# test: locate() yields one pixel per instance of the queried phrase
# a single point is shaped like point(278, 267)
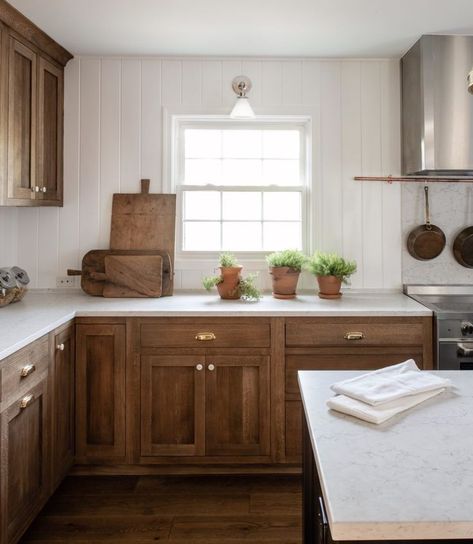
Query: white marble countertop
point(409, 478)
point(42, 311)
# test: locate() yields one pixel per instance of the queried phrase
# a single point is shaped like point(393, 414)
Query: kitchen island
point(409, 479)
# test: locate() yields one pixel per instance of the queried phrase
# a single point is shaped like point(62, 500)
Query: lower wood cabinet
point(24, 460)
point(63, 395)
point(205, 405)
point(100, 392)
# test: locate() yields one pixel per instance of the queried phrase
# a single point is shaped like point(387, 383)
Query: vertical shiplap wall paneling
point(151, 123)
point(89, 159)
point(371, 163)
point(114, 136)
point(390, 162)
point(130, 134)
point(351, 162)
point(110, 117)
point(69, 251)
point(331, 190)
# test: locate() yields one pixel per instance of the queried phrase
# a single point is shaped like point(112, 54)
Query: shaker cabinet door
point(100, 392)
point(237, 405)
point(50, 131)
point(22, 93)
point(172, 405)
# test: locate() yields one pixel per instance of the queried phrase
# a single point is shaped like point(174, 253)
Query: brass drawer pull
point(205, 336)
point(27, 370)
point(354, 336)
point(26, 401)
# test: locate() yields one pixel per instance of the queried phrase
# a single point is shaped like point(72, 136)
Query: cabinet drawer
point(24, 368)
point(351, 333)
point(205, 333)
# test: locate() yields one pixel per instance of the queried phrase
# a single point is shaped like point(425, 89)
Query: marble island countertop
point(410, 478)
point(42, 311)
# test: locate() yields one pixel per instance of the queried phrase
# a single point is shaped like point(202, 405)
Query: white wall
point(114, 137)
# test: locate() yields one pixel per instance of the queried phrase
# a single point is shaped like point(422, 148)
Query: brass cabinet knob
point(354, 335)
point(44, 189)
point(211, 367)
point(27, 370)
point(205, 336)
point(199, 366)
point(26, 401)
point(60, 347)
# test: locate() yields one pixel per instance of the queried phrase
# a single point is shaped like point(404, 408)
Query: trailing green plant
point(292, 258)
point(211, 281)
point(331, 264)
point(228, 260)
point(248, 289)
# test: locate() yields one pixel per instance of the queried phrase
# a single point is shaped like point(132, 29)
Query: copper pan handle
point(427, 209)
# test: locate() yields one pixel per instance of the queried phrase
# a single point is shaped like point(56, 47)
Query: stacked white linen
point(377, 396)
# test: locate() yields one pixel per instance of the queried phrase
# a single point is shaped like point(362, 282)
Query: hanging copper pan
point(463, 247)
point(426, 241)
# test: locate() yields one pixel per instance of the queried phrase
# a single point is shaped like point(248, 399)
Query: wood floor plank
point(175, 509)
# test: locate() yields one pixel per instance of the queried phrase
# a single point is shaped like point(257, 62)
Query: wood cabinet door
point(22, 94)
point(172, 405)
point(25, 451)
point(50, 131)
point(100, 392)
point(237, 405)
point(63, 404)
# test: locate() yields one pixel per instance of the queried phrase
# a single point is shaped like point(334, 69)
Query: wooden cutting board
point(144, 221)
point(139, 273)
point(95, 280)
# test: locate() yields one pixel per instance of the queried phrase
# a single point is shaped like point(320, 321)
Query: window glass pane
point(282, 206)
point(241, 236)
point(282, 236)
point(201, 236)
point(244, 144)
point(202, 205)
point(281, 172)
point(201, 144)
point(241, 205)
point(203, 171)
point(281, 144)
point(241, 172)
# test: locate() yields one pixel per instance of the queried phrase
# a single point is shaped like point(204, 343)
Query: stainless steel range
point(453, 322)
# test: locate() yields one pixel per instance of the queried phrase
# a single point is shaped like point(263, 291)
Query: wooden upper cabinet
point(172, 405)
point(31, 113)
point(237, 405)
point(100, 392)
point(22, 96)
point(50, 131)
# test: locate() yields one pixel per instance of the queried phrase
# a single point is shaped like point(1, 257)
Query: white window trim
point(174, 123)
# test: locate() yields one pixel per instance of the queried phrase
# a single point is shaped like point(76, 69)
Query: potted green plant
point(230, 285)
point(285, 268)
point(331, 271)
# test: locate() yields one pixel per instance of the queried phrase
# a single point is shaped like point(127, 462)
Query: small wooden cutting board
point(140, 273)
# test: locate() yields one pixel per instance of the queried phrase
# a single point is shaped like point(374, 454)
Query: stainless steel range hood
point(437, 109)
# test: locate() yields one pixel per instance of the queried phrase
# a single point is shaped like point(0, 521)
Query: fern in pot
point(285, 268)
point(331, 270)
point(230, 285)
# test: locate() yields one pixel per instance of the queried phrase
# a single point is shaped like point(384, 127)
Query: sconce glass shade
point(242, 109)
point(470, 82)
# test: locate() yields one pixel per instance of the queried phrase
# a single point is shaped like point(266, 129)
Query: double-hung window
point(242, 186)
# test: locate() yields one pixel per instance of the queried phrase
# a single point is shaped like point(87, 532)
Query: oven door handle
point(465, 350)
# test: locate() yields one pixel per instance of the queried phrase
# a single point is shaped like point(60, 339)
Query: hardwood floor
point(179, 509)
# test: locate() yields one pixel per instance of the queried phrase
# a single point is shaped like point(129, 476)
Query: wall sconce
point(242, 109)
point(470, 82)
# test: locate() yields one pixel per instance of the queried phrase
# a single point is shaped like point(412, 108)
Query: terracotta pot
point(284, 281)
point(329, 286)
point(228, 288)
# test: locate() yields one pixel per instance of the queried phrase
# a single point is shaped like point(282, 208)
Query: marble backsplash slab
point(451, 206)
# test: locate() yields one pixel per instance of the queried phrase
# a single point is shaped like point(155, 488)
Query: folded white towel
point(378, 414)
point(390, 383)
